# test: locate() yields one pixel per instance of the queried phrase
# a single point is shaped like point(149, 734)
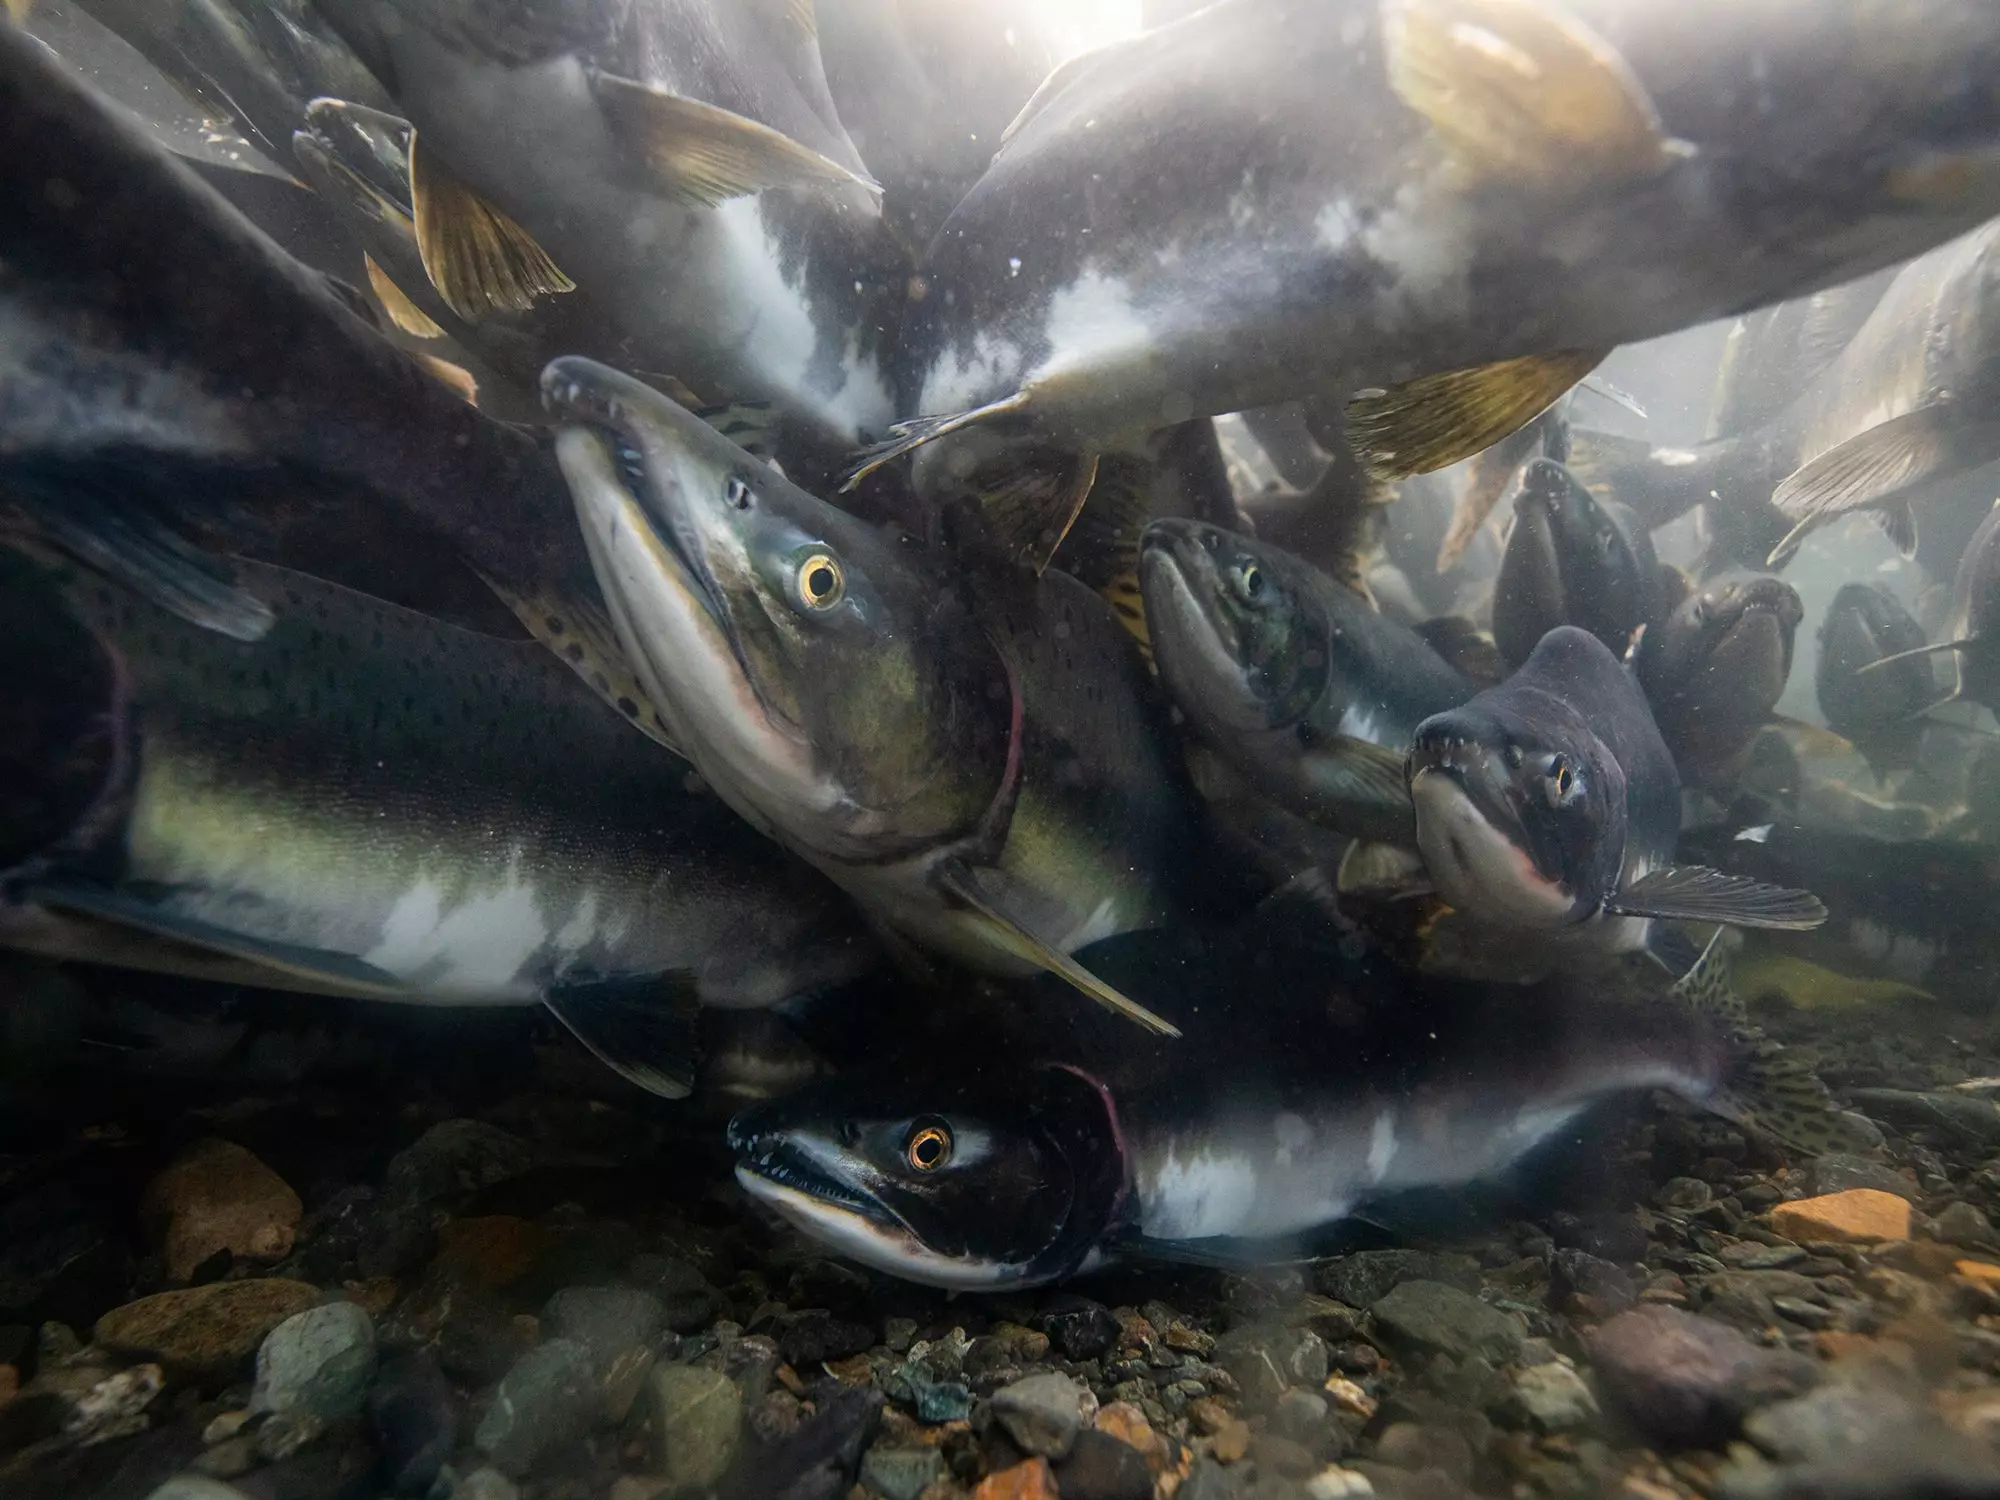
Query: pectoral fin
point(1029, 510)
point(1874, 466)
point(480, 260)
point(1695, 893)
point(1934, 649)
point(1899, 524)
point(906, 437)
point(97, 525)
point(1358, 776)
point(1436, 420)
point(704, 155)
point(969, 887)
point(1382, 872)
point(289, 963)
point(1523, 92)
point(1102, 547)
point(643, 1029)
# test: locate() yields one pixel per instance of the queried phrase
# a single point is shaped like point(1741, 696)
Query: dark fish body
point(1773, 352)
point(980, 760)
point(1571, 560)
point(163, 361)
point(1975, 616)
point(1290, 676)
point(1714, 669)
point(1242, 1139)
point(778, 296)
point(1864, 623)
point(383, 805)
point(1118, 267)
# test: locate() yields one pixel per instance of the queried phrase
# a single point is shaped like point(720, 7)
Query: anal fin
point(402, 312)
point(906, 437)
point(965, 884)
point(1360, 782)
point(316, 968)
point(644, 1029)
point(1695, 893)
point(479, 259)
point(1523, 92)
point(1434, 420)
point(1028, 511)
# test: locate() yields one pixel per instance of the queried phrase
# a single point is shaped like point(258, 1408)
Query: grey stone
point(1837, 1172)
point(1409, 1445)
point(609, 1321)
point(901, 1473)
point(413, 1417)
point(485, 1484)
point(1837, 1421)
point(1683, 1379)
point(196, 1487)
point(1683, 1195)
point(1963, 1224)
point(1367, 1276)
point(321, 1361)
point(1747, 1297)
point(688, 1303)
point(1550, 1397)
point(1300, 1415)
point(697, 1417)
point(285, 1433)
point(1430, 1317)
point(898, 1334)
point(1582, 1282)
point(1752, 1256)
point(1044, 1413)
point(548, 1400)
point(1100, 1467)
point(1209, 1480)
point(1267, 1358)
point(453, 1160)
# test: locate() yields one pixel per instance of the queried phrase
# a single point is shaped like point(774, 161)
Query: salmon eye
point(1249, 581)
point(929, 1147)
point(737, 493)
point(1559, 780)
point(820, 582)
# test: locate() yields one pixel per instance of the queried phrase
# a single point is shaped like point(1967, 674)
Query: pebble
point(1984, 1272)
point(696, 1416)
point(688, 1304)
point(1430, 1317)
point(1749, 1255)
point(1350, 1398)
point(196, 1487)
point(1082, 1329)
point(215, 1196)
point(1580, 1282)
point(1265, 1358)
point(1551, 1397)
point(485, 1484)
point(1858, 1214)
point(548, 1400)
point(115, 1406)
point(320, 1361)
point(1367, 1276)
point(1963, 1224)
point(1100, 1467)
point(1412, 1445)
point(1837, 1421)
point(1336, 1483)
point(204, 1332)
point(1685, 1379)
point(1300, 1416)
point(413, 1417)
point(816, 1336)
point(1044, 1413)
point(1683, 1195)
point(452, 1160)
point(1838, 1171)
point(1208, 1480)
point(901, 1473)
point(1024, 1481)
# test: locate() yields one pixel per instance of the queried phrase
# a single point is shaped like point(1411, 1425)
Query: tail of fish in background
point(1769, 1089)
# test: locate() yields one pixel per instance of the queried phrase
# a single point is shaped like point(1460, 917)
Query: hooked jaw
point(813, 1184)
point(1196, 643)
point(1472, 840)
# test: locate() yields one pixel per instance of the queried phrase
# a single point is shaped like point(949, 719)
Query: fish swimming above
point(367, 802)
point(989, 1176)
point(1713, 672)
point(1290, 676)
point(175, 386)
point(1450, 207)
point(1878, 711)
point(1902, 407)
point(1572, 559)
point(1550, 806)
point(977, 757)
point(680, 163)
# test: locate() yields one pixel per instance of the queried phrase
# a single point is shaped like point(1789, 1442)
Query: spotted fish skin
point(454, 814)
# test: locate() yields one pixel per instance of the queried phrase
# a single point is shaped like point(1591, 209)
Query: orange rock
point(216, 1196)
point(493, 1251)
point(1983, 1272)
point(1231, 1442)
point(1026, 1481)
point(1855, 1215)
point(1165, 1459)
point(10, 1383)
